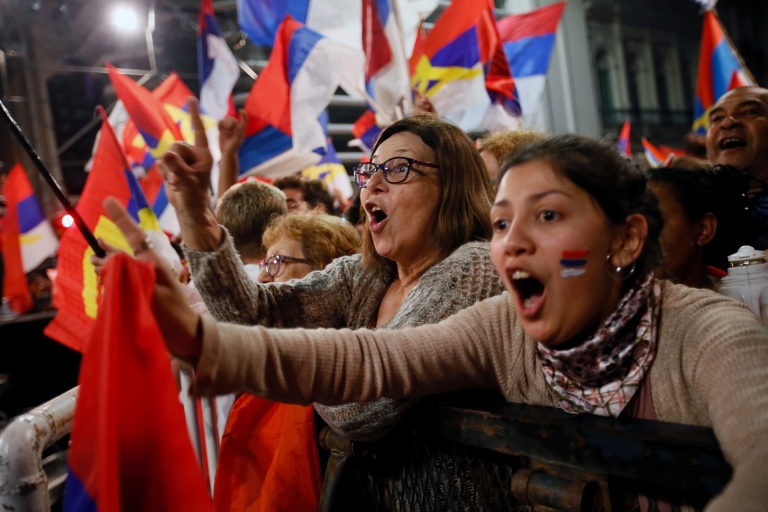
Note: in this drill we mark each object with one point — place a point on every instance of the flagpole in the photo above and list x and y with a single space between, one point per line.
58 192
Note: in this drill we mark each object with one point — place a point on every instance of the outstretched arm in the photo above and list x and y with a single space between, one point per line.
342 366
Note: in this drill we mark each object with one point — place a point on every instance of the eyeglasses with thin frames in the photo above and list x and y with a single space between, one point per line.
272 264
395 170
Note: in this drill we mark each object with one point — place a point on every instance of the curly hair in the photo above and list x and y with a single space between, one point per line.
323 237
618 186
502 145
721 191
466 193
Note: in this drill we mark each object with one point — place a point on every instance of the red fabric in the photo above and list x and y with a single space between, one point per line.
130 446
146 110
269 101
535 23
75 276
15 281
268 459
375 44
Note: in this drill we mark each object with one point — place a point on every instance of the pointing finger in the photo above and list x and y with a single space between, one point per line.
201 139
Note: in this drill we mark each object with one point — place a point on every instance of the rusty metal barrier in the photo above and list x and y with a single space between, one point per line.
469 453
26 479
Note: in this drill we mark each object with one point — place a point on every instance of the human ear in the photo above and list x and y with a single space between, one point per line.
631 240
707 227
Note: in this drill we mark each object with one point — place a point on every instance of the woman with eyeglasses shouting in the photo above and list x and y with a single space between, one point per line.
425 253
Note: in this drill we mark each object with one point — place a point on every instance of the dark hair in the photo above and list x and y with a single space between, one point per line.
354 213
314 191
614 182
721 191
466 193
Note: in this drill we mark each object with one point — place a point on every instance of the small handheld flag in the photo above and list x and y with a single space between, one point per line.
655 156
623 143
27 238
216 66
55 187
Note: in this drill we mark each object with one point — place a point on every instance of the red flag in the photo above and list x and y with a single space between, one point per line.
130 447
76 281
15 282
268 459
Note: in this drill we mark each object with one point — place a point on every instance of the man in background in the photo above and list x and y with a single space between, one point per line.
305 195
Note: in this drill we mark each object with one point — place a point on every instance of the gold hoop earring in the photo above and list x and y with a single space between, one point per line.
615 272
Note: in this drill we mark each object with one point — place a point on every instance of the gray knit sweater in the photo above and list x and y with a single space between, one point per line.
344 295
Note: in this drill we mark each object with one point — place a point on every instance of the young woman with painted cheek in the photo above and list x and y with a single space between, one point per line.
610 341
557 253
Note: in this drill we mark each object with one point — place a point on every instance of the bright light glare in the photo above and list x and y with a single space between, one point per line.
125 18
67 220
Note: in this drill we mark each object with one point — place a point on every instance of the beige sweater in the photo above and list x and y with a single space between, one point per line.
711 370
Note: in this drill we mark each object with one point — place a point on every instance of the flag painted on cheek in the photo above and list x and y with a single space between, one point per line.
574 263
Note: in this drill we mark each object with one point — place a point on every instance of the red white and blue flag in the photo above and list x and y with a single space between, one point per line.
720 70
528 40
655 156
27 238
289 98
216 66
461 67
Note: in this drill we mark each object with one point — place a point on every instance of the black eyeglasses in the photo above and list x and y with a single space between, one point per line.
272 264
395 170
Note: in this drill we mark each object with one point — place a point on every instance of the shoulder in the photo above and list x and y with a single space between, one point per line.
688 305
469 252
698 321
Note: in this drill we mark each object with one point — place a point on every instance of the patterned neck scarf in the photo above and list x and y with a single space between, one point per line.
601 375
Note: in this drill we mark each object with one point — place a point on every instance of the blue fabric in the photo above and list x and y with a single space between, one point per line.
301 44
259 19
723 65
76 498
529 56
461 52
383 7
30 215
160 204
262 146
204 64
150 140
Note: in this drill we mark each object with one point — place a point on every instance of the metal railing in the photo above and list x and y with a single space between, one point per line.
26 479
512 457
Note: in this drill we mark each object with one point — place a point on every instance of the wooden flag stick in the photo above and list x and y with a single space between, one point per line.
58 192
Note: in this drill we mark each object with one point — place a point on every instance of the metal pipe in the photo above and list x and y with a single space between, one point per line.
148 34
58 192
23 481
211 439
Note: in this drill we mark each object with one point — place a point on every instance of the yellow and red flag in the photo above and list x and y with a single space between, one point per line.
76 281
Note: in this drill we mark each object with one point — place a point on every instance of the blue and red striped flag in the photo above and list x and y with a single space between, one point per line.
528 40
289 98
720 70
216 66
655 156
27 238
623 144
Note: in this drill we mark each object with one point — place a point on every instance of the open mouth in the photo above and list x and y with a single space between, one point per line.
732 142
378 214
529 291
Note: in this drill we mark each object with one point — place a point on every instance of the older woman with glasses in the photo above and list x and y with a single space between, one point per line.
425 252
299 243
